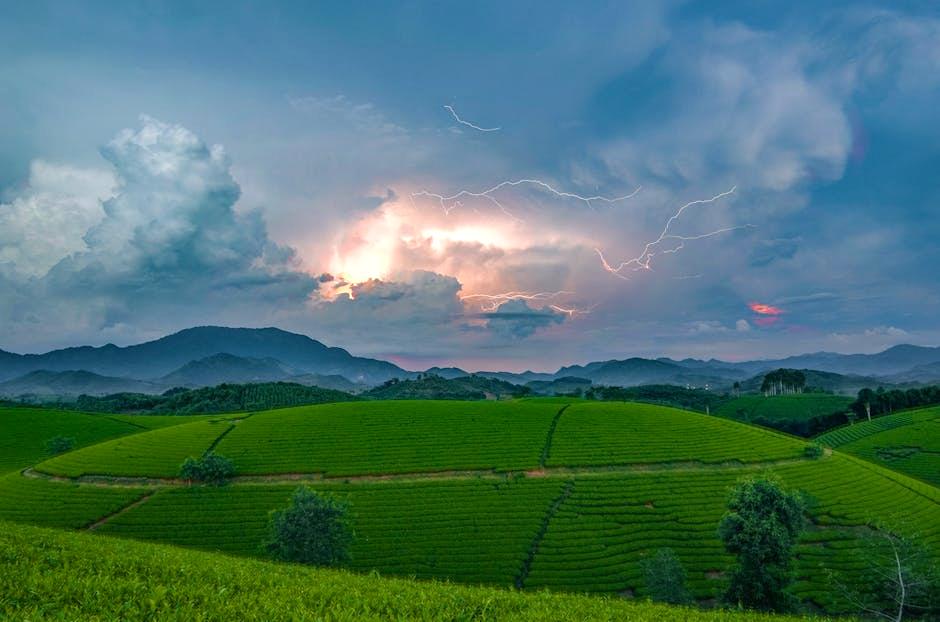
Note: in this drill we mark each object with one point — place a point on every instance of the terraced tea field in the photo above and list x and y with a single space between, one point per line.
48 575
538 494
391 437
783 407
614 434
26 430
476 530
153 453
908 442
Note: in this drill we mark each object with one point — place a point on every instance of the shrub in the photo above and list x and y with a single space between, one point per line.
762 524
313 529
59 445
813 451
212 468
665 578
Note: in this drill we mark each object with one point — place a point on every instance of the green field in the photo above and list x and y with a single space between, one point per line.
391 437
616 433
26 430
153 453
783 407
908 442
539 494
48 575
58 504
473 530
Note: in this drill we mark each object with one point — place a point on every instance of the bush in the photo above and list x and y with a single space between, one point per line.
313 529
212 468
813 451
665 578
59 445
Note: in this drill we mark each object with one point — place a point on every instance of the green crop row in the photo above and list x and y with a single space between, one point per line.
854 432
391 437
610 433
609 523
473 530
61 576
25 431
908 442
157 453
58 504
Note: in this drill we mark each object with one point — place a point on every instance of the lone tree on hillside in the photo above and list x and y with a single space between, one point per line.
783 382
665 578
761 526
900 578
313 529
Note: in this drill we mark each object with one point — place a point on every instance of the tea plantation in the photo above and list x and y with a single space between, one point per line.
907 441
558 494
49 575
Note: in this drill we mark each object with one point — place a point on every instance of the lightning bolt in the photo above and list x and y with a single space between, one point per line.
457 118
491 302
452 202
643 260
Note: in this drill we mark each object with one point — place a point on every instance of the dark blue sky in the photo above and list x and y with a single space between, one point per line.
121 220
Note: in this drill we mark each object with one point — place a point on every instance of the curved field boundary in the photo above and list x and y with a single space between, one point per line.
547 449
543 529
127 508
120 481
856 431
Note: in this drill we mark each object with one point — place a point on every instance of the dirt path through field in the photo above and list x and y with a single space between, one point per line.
286 478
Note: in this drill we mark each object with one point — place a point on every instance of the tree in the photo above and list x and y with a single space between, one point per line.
211 468
865 397
59 445
783 382
665 578
736 389
900 579
313 529
762 524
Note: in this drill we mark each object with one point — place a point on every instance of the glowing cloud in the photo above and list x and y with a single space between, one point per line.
764 309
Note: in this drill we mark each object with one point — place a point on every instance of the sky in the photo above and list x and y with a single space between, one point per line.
491 185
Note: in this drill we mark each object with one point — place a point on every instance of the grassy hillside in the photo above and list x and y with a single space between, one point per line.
804 414
616 433
594 489
908 442
148 454
24 432
46 575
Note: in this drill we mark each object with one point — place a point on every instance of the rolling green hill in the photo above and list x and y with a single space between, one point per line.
908 442
48 575
26 430
804 414
567 495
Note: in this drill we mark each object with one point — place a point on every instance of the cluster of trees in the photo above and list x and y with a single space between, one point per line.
665 394
881 402
432 386
783 382
217 399
806 428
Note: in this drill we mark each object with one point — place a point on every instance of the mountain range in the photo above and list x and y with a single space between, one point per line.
210 355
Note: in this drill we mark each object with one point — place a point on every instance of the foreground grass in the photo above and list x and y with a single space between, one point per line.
49 575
